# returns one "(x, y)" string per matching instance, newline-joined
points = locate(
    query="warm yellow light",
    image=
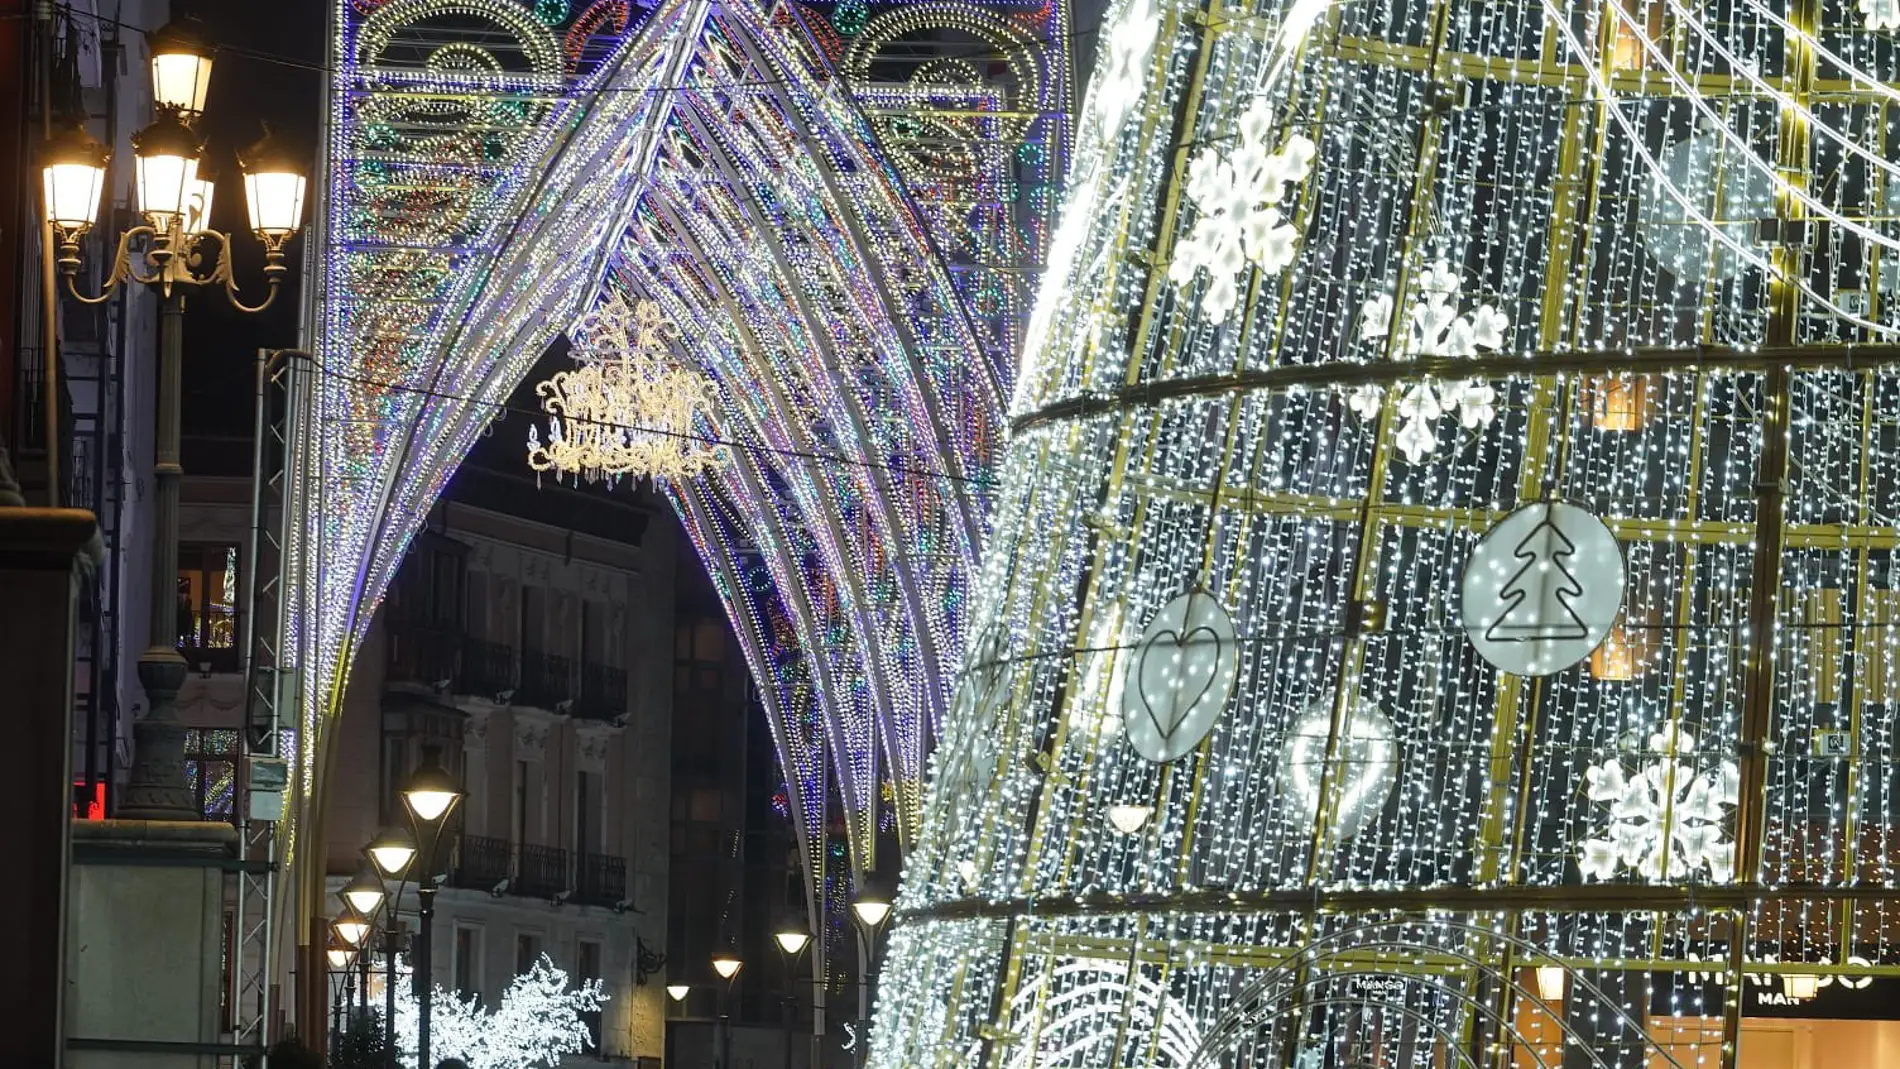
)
(792, 942)
(392, 850)
(1550, 982)
(678, 992)
(273, 188)
(1801, 986)
(1615, 658)
(352, 926)
(431, 792)
(166, 155)
(726, 965)
(181, 70)
(364, 892)
(871, 911)
(73, 171)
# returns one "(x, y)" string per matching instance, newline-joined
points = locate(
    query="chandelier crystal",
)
(628, 409)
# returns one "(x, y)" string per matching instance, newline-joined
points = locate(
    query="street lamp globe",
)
(871, 910)
(792, 941)
(430, 792)
(338, 952)
(678, 992)
(181, 70)
(351, 925)
(167, 157)
(73, 167)
(273, 188)
(392, 850)
(198, 194)
(364, 892)
(726, 964)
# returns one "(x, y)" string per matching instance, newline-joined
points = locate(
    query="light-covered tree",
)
(539, 1018)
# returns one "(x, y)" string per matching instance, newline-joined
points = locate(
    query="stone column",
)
(44, 555)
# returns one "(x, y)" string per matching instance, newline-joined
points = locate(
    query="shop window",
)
(207, 605)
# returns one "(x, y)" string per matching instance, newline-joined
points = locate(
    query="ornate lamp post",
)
(171, 252)
(390, 855)
(430, 796)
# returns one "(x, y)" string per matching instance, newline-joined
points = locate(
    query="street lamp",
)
(430, 795)
(871, 910)
(726, 964)
(678, 992)
(339, 951)
(390, 853)
(351, 926)
(181, 70)
(792, 941)
(364, 891)
(172, 255)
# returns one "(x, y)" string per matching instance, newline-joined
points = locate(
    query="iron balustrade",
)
(542, 872)
(488, 668)
(546, 679)
(481, 862)
(602, 880)
(603, 692)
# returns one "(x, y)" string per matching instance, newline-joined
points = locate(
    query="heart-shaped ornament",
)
(1180, 675)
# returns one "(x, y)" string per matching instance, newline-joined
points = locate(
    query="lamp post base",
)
(156, 788)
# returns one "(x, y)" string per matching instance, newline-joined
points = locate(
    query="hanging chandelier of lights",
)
(628, 408)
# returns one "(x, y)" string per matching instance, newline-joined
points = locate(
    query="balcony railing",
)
(603, 692)
(542, 873)
(481, 862)
(602, 880)
(546, 679)
(488, 668)
(421, 654)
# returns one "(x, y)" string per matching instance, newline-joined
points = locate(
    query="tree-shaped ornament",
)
(1542, 589)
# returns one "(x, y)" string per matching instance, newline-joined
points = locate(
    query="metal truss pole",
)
(270, 680)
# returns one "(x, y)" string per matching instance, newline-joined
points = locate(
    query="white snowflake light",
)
(1433, 327)
(1125, 72)
(1665, 819)
(539, 1019)
(1240, 222)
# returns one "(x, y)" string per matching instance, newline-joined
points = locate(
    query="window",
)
(586, 815)
(587, 967)
(207, 604)
(468, 961)
(519, 833)
(527, 951)
(534, 618)
(211, 759)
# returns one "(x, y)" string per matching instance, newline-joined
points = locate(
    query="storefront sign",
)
(1846, 998)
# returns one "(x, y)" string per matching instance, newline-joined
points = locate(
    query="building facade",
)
(528, 639)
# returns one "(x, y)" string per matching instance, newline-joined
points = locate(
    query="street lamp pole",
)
(430, 795)
(390, 854)
(870, 911)
(175, 244)
(791, 944)
(726, 964)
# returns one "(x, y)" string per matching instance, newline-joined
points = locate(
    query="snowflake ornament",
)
(1665, 812)
(1124, 75)
(1433, 327)
(1881, 14)
(1240, 224)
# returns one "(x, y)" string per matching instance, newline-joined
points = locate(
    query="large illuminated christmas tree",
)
(1347, 299)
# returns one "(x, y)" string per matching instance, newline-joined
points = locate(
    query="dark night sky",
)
(267, 69)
